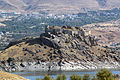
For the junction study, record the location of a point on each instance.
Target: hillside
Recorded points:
(12, 4)
(106, 33)
(58, 6)
(59, 48)
(9, 76)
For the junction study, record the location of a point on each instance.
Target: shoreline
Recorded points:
(95, 70)
(52, 73)
(55, 66)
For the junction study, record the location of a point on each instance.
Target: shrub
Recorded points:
(94, 78)
(47, 78)
(104, 74)
(61, 77)
(86, 77)
(38, 79)
(75, 77)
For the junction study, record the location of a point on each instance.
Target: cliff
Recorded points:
(59, 48)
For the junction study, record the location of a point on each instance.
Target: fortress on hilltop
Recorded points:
(67, 30)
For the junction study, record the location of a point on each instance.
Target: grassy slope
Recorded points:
(8, 76)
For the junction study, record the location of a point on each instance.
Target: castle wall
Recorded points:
(55, 30)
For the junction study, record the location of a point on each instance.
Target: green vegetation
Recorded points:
(86, 77)
(3, 46)
(38, 79)
(47, 78)
(75, 77)
(103, 74)
(61, 77)
(32, 25)
(94, 78)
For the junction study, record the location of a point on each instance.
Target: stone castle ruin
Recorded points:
(66, 30)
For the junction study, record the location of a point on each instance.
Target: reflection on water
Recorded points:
(34, 75)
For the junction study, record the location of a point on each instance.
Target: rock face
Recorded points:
(59, 48)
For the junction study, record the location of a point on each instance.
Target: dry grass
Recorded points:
(106, 33)
(9, 76)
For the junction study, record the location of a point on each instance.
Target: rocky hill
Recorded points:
(59, 48)
(58, 6)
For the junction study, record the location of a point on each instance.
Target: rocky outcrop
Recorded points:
(59, 48)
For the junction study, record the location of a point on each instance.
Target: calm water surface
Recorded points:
(34, 75)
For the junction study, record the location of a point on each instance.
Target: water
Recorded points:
(34, 75)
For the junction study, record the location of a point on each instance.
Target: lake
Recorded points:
(34, 75)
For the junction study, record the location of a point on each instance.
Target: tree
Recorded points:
(94, 78)
(38, 79)
(86, 77)
(104, 74)
(61, 77)
(47, 78)
(75, 77)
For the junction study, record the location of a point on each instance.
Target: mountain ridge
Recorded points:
(56, 6)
